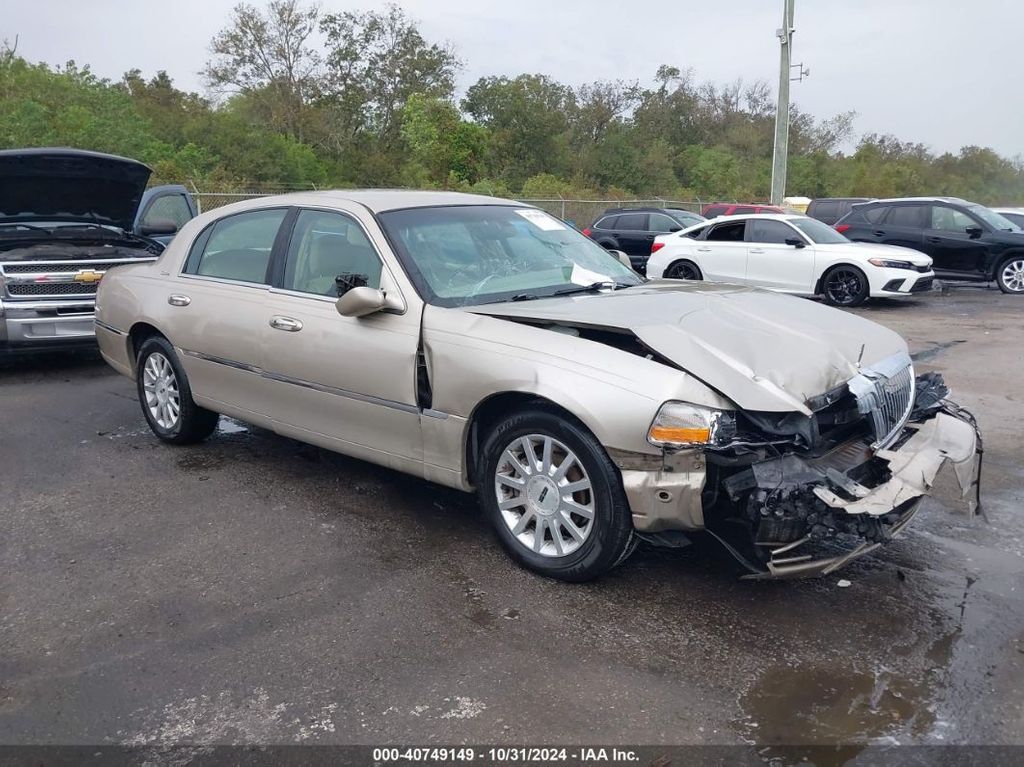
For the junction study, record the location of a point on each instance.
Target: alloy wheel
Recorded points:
(1012, 275)
(163, 399)
(843, 286)
(544, 495)
(683, 272)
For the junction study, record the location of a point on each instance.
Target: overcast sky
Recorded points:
(943, 72)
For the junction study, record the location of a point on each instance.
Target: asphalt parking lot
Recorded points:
(254, 589)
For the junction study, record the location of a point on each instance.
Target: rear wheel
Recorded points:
(684, 270)
(1010, 274)
(166, 397)
(845, 286)
(554, 497)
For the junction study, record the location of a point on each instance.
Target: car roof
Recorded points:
(954, 200)
(842, 199)
(380, 200)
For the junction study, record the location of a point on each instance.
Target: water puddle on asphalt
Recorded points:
(827, 706)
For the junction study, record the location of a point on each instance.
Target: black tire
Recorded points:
(611, 538)
(845, 285)
(684, 270)
(193, 423)
(1009, 274)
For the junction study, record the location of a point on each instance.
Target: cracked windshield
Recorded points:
(484, 254)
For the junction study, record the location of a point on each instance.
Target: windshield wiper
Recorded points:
(524, 297)
(593, 287)
(26, 226)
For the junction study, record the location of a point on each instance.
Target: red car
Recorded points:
(715, 209)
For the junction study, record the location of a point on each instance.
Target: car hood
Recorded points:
(763, 350)
(70, 185)
(872, 250)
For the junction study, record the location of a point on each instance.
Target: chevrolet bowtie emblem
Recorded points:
(88, 276)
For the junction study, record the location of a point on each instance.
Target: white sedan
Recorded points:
(792, 254)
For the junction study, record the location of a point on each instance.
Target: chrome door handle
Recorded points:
(755, 250)
(703, 250)
(177, 299)
(285, 323)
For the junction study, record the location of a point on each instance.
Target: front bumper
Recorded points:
(901, 282)
(40, 325)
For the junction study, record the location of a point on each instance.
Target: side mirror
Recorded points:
(974, 232)
(359, 302)
(796, 242)
(158, 226)
(623, 258)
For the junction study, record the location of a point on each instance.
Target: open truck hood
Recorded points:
(70, 185)
(763, 350)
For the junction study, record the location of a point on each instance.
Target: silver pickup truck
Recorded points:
(66, 217)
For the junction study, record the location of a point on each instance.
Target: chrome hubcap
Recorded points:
(1013, 276)
(544, 495)
(161, 386)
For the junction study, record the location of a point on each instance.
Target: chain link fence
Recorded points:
(581, 213)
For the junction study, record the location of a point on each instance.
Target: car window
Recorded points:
(662, 223)
(608, 222)
(743, 209)
(329, 253)
(873, 215)
(1014, 218)
(695, 233)
(168, 207)
(632, 222)
(237, 247)
(715, 210)
(906, 215)
(772, 232)
(728, 232)
(950, 220)
(826, 210)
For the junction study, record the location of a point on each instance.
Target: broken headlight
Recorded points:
(680, 424)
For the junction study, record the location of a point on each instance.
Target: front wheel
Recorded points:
(554, 497)
(1010, 274)
(166, 397)
(845, 286)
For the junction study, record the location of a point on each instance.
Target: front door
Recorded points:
(774, 263)
(344, 381)
(952, 247)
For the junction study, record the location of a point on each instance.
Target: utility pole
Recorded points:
(781, 152)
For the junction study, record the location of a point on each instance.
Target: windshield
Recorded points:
(478, 254)
(993, 219)
(820, 233)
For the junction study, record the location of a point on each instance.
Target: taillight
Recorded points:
(656, 246)
(587, 231)
(841, 227)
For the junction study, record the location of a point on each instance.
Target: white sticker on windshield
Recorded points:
(581, 276)
(540, 219)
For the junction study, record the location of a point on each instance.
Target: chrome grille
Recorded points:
(52, 289)
(885, 393)
(40, 267)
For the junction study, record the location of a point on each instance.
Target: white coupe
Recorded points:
(792, 254)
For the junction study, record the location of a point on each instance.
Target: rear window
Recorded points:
(906, 215)
(237, 247)
(825, 210)
(608, 222)
(743, 209)
(633, 222)
(728, 232)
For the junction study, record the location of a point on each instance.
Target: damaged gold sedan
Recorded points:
(485, 345)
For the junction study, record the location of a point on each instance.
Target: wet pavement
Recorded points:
(254, 589)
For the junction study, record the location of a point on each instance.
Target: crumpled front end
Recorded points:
(795, 495)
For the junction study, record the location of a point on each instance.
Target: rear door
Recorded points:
(902, 225)
(634, 237)
(218, 307)
(773, 263)
(950, 245)
(722, 254)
